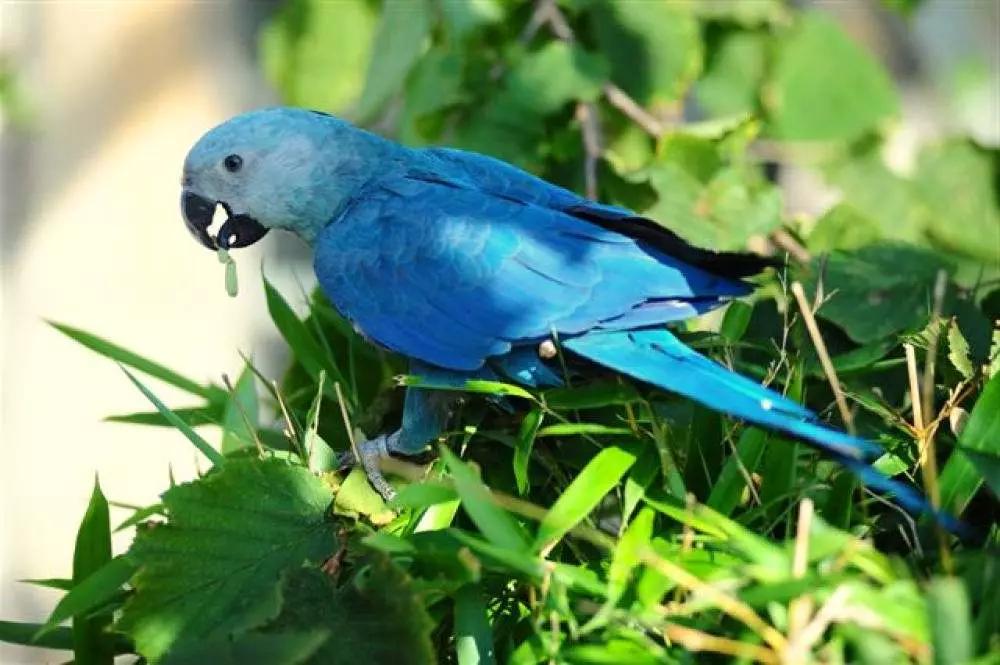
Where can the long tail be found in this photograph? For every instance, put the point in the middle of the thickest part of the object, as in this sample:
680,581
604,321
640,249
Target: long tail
659,358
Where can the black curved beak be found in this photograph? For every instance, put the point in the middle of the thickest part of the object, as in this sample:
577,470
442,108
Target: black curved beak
237,231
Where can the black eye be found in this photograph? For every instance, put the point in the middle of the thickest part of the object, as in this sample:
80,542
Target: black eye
233,163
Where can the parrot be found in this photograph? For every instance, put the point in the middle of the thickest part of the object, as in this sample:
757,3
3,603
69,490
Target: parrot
470,267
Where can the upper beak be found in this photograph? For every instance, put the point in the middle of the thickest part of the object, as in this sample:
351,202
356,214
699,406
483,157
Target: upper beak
237,231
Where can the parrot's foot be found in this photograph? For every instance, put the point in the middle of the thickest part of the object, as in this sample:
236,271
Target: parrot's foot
370,452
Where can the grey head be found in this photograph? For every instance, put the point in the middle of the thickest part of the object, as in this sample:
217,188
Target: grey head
279,167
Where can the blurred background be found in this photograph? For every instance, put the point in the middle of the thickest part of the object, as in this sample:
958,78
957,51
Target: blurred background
100,101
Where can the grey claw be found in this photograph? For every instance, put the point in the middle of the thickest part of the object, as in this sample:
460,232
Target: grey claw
370,452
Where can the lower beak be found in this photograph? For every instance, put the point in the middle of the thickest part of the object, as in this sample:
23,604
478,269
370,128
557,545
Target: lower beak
237,231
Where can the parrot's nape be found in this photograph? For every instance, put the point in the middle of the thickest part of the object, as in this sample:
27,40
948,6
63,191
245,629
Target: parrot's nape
467,265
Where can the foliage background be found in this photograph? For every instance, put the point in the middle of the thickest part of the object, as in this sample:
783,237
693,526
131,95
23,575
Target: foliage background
695,105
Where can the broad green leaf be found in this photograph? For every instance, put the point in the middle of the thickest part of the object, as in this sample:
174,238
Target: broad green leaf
356,496
462,17
435,84
655,48
960,479
298,59
376,617
242,406
213,568
870,302
494,522
422,495
741,465
614,651
735,205
842,227
987,464
741,12
877,203
956,181
584,494
733,74
473,635
250,649
826,86
134,360
951,625
626,556
403,30
206,449
525,444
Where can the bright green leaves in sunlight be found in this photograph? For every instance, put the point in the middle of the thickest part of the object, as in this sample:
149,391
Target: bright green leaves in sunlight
213,569
315,51
826,87
655,48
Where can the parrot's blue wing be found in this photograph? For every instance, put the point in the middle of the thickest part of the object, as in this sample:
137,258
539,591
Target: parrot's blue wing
463,276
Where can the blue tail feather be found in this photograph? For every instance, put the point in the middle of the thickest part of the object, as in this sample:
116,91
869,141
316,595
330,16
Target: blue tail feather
655,356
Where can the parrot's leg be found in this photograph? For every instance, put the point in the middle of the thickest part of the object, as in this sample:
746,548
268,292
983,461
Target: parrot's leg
425,416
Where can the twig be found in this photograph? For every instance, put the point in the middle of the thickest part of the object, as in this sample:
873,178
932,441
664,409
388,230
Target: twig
801,607
633,111
824,356
292,434
586,115
243,414
725,602
785,241
927,457
695,640
829,612
347,420
940,287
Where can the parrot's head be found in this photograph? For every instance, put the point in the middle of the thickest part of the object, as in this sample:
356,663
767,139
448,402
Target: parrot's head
279,167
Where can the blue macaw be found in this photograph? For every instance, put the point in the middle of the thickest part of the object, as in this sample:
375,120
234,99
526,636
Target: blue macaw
468,266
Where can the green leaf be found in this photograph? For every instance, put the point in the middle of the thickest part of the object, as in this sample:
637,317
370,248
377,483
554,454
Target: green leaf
958,351
134,360
584,494
579,429
735,321
987,464
473,635
870,302
522,453
296,53
495,523
595,395
141,515
842,227
956,181
304,346
827,87
377,617
747,14
879,203
437,382
403,30
735,205
627,554
250,649
655,48
92,644
214,568
960,479
951,625
462,17
733,74
27,634
243,405
206,449
90,592
194,417
728,489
